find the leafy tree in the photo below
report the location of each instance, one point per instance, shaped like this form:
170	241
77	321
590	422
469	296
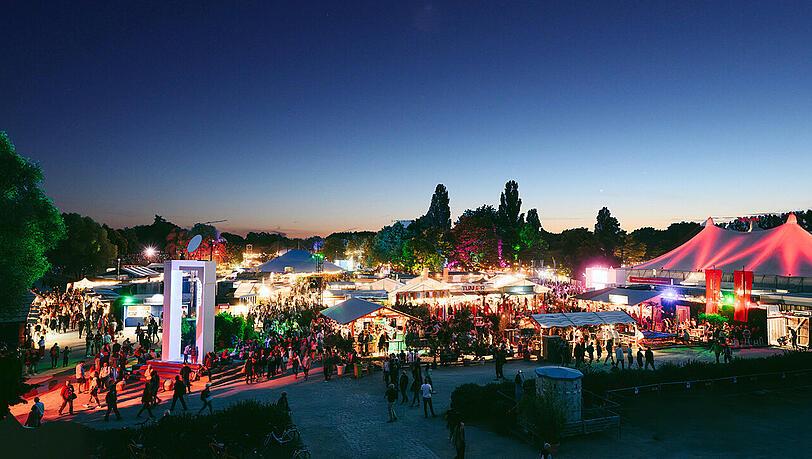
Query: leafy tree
388	246
86	250
510	221
155	234
176	243
439	213
30	226
335	246
531	237
607	232
575	249
475	239
630	251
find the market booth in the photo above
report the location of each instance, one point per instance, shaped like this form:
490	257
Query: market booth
610	323
356	316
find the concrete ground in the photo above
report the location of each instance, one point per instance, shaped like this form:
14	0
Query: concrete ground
346	417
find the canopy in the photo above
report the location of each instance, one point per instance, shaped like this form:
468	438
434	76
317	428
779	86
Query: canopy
782	251
622	296
356	308
424	285
297	261
382	284
581	319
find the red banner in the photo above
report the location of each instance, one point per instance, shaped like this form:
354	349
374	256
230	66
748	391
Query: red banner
713	290
742	287
651	280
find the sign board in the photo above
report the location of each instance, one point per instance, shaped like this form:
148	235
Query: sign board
650	280
138	311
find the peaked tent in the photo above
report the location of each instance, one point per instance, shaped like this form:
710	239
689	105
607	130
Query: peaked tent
297	261
782	251
354	309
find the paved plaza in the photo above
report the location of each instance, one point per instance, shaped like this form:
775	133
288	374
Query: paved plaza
346	417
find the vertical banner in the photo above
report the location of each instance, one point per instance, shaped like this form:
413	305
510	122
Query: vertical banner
742	287
713	290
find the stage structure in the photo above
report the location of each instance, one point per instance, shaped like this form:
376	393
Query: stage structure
203	276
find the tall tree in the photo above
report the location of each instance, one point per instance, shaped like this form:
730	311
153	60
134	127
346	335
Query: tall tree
439	213
30	226
388	247
475	239
510	221
607	232
86	249
531	237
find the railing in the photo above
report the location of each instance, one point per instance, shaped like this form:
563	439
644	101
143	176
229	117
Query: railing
688	384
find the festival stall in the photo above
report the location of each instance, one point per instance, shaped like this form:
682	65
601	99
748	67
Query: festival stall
358	317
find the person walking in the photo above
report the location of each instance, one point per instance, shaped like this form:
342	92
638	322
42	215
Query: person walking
147	398
178	391
246	368
458	440
391	397
35	415
649	357
206	398
295	365
609	355
283	402
68	395
94	389
54	354
112	403
518	389
306	363
416	391
630	356
639	358
426	392
404	387
619	357
65	356
80	377
185	375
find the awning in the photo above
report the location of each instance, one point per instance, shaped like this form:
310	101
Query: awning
582	319
354	309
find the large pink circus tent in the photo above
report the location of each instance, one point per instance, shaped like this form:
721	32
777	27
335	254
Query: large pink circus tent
782	251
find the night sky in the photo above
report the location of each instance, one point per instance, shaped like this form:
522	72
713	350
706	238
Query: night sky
321	118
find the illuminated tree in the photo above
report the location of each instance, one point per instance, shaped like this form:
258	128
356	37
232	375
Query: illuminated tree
30	227
86	249
509	223
476	242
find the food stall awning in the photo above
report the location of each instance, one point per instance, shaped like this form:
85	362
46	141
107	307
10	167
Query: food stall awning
581	319
351	309
621	296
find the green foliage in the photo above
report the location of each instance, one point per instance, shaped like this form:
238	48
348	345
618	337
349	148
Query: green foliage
245	423
338	342
388	245
229	328
600	381
421	311
713	319
484	404
510	221
475	239
12	384
544	415
86	250
30	227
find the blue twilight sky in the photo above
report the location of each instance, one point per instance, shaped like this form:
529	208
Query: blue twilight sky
339	116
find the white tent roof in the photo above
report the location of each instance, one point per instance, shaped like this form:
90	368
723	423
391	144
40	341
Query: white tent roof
423	285
297	261
581	319
382	284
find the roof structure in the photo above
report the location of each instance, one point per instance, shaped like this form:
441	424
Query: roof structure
18	313
623	296
782	251
140	271
424	285
351	309
297	261
581	319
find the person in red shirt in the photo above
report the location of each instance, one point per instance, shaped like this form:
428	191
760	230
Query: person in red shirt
67	397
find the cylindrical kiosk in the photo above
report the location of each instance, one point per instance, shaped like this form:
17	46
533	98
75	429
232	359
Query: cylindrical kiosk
563	385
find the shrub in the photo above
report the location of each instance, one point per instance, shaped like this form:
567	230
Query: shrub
485	404
544	416
600	381
242	426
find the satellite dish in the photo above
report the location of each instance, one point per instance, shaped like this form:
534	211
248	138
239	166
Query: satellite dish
194	243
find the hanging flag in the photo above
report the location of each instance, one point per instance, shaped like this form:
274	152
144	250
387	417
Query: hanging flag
742	288
713	290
